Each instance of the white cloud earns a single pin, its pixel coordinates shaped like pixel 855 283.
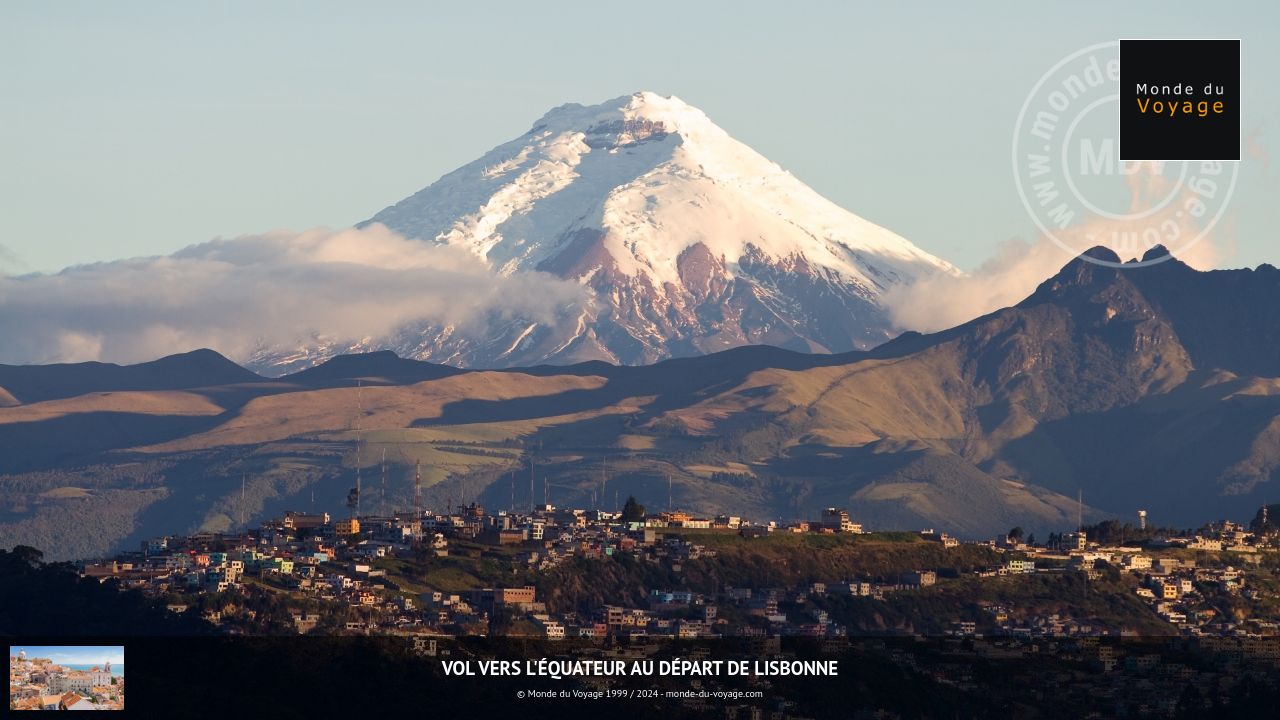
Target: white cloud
pixel 276 289
pixel 944 301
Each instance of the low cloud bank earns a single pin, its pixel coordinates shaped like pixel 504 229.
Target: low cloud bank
pixel 276 290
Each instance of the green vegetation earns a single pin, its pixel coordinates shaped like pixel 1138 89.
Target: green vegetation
pixel 778 561
pixel 632 511
pixel 1109 602
pixel 81 527
pixel 38 598
pixel 468 566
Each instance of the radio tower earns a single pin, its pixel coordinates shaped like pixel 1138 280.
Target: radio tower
pixel 382 500
pixel 1079 510
pixel 417 489
pixel 359 412
pixel 241 499
pixel 531 484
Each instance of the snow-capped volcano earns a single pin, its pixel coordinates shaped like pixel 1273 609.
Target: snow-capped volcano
pixel 687 240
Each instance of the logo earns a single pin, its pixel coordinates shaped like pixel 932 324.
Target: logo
pixel 1073 184
pixel 1180 99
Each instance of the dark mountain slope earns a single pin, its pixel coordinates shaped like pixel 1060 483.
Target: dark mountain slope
pixel 195 369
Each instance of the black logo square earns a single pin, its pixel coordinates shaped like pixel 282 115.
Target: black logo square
pixel 1179 99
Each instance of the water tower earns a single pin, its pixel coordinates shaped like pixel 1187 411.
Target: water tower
pixel 1142 519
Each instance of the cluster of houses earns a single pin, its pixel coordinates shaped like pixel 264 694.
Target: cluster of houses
pixel 1176 588
pixel 314 555
pixel 342 562
pixel 41 684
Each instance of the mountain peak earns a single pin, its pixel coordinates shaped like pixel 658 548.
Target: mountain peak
pixel 1155 253
pixel 686 241
pixel 1080 272
pixel 667 110
pixel 1102 253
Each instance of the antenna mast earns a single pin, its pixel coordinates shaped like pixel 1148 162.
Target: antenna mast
pixel 242 498
pixel 382 501
pixel 1079 509
pixel 417 489
pixel 359 412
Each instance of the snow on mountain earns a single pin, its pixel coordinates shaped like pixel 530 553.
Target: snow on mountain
pixel 690 242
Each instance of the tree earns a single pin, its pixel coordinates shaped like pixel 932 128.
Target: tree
pixel 1031 539
pixel 27 555
pixel 1266 519
pixel 632 511
pixel 1015 534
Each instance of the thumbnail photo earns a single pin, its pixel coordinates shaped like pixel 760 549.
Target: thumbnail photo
pixel 66 677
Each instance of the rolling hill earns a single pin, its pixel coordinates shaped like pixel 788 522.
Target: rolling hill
pixel 1153 388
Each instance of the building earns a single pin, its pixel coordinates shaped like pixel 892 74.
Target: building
pixel 553 629
pixel 1136 562
pixel 1074 541
pixel 940 537
pixel 493 597
pixel 304 521
pixel 70 683
pixel 1201 543
pixel 673 519
pixel 1020 566
pixel 837 520
pixel 919 578
pixel 350 526
pixel 73 701
pixel 101 676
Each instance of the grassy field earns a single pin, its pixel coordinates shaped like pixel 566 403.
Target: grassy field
pixel 468 566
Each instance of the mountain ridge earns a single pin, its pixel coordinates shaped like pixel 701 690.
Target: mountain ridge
pixel 196 368
pixel 1105 382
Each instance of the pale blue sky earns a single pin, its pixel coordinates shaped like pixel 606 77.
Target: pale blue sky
pixel 73 654
pixel 136 128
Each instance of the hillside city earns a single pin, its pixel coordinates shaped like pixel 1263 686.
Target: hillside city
pixel 1131 619
pixel 443 575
